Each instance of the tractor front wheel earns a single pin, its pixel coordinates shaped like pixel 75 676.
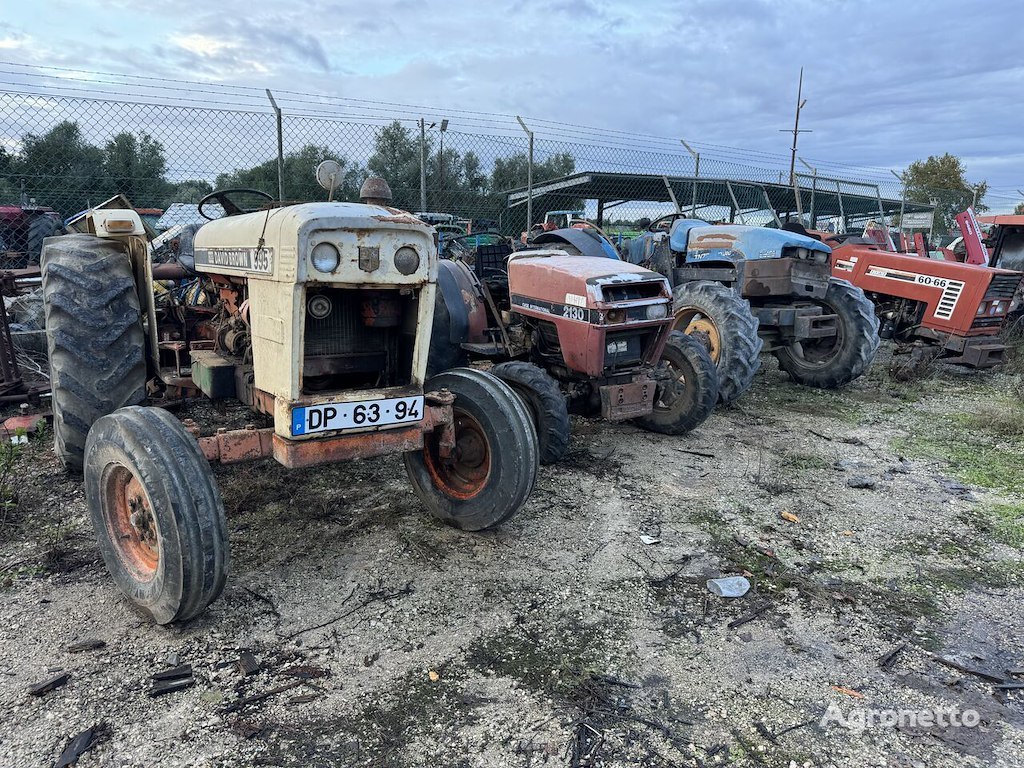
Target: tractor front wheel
pixel 721 319
pixel 156 512
pixel 835 361
pixel 546 402
pixel 687 390
pixel 491 471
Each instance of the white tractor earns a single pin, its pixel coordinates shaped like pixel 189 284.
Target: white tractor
pixel 318 317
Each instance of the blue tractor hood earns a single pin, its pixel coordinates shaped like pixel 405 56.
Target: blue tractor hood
pixel 733 242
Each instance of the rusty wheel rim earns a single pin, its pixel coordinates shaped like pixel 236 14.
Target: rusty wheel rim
pixel 695 323
pixel 131 523
pixel 671 388
pixel 464 474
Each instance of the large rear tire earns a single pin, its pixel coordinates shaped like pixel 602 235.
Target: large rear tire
pixel 157 513
pixel 837 360
pixel 94 333
pixel 494 466
pixel 688 393
pixel 546 402
pixel 721 319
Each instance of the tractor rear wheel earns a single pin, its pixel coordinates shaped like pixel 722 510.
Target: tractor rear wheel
pixel 836 360
pixel 156 512
pixel 94 333
pixel 688 393
pixel 491 472
pixel 546 402
pixel 720 318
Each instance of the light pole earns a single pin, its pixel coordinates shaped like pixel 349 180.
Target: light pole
pixel 696 175
pixel 800 102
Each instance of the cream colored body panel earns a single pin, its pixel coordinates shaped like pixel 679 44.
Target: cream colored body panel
pixel 271 249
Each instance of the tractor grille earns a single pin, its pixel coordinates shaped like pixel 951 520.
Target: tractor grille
pixel 631 291
pixel 362 342
pixel 343 330
pixel 1002 287
pixel 988 322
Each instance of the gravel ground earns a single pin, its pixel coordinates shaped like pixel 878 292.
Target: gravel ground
pixel 581 632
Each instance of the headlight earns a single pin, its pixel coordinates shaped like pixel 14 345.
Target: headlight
pixel 325 257
pixel 615 316
pixel 319 306
pixel 657 311
pixel 982 308
pixel 407 260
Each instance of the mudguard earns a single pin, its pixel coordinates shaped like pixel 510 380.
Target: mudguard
pixel 587 243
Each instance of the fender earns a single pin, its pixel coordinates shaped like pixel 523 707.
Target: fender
pixel 460 298
pixel 586 244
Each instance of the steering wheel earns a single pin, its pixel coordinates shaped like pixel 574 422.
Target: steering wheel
pixel 231 207
pixel 664 224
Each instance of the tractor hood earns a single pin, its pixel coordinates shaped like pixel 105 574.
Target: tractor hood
pixel 735 242
pixel 557 278
pixel 277 244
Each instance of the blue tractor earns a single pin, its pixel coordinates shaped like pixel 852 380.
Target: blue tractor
pixel 744 290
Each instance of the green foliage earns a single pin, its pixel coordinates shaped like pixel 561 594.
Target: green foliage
pixel 135 167
pixel 942 179
pixel 1019 210
pixel 60 168
pixel 299 183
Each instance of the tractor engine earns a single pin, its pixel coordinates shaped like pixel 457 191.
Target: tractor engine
pixel 595 318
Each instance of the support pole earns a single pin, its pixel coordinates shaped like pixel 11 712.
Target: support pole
pixel 280 147
pixel 600 213
pixel 671 194
pixel 529 176
pixel 814 189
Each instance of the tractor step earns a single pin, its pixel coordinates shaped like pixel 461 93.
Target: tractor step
pixel 487 349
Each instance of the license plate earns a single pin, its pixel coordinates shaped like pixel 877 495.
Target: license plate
pixel 309 419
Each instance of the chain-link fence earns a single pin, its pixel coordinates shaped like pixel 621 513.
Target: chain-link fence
pixel 67 152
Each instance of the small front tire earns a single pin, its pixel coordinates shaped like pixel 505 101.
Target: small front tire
pixel 156 512
pixel 688 392
pixel 546 402
pixel 491 473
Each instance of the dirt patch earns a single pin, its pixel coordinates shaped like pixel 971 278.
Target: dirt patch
pixel 581 633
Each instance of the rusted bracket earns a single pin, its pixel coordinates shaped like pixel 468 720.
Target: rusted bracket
pixel 441 415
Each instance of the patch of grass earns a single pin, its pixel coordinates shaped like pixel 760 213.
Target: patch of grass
pixel 984 465
pixel 805 461
pixel 1008 524
pixel 1002 418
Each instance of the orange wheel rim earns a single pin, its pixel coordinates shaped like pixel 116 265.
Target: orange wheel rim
pixel 131 523
pixel 695 323
pixel 464 474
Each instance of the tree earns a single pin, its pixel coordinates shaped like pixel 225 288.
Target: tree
pixel 61 169
pixel 188 191
pixel 299 183
pixel 134 167
pixel 1019 210
pixel 942 180
pixel 396 159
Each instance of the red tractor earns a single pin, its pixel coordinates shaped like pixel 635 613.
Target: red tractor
pixel 575 332
pixel 957 309
pixel 22 231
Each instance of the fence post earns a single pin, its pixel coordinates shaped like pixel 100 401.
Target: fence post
pixel 423 165
pixel 529 177
pixel 696 175
pixel 280 147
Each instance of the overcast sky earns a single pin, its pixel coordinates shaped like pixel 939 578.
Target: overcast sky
pixel 886 82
